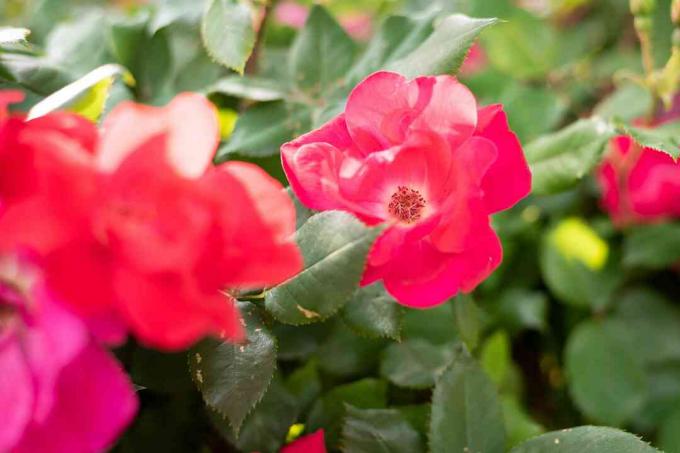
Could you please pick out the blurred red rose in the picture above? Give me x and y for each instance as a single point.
(639, 184)
(137, 228)
(422, 157)
(53, 372)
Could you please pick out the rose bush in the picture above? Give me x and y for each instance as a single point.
(477, 250)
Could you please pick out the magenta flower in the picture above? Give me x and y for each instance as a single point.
(420, 156)
(59, 391)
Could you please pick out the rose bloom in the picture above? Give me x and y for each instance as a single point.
(421, 157)
(311, 443)
(639, 184)
(137, 229)
(59, 390)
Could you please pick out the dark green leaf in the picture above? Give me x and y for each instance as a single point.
(302, 213)
(227, 31)
(605, 374)
(466, 411)
(378, 430)
(669, 435)
(329, 411)
(321, 54)
(519, 426)
(373, 312)
(585, 439)
(233, 377)
(521, 309)
(444, 51)
(651, 323)
(346, 354)
(305, 384)
(415, 363)
(653, 246)
(436, 325)
(334, 246)
(559, 160)
(265, 428)
(261, 130)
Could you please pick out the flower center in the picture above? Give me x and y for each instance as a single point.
(406, 204)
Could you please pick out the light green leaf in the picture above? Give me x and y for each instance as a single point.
(519, 426)
(86, 95)
(334, 246)
(606, 376)
(495, 357)
(373, 312)
(396, 38)
(466, 412)
(252, 88)
(586, 439)
(467, 320)
(628, 102)
(227, 31)
(444, 51)
(559, 160)
(415, 363)
(234, 377)
(261, 130)
(378, 431)
(653, 246)
(321, 54)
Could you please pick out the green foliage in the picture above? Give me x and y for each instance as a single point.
(374, 313)
(334, 245)
(228, 33)
(379, 430)
(586, 438)
(466, 411)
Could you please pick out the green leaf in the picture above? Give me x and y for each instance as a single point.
(261, 130)
(378, 431)
(653, 246)
(415, 363)
(233, 377)
(444, 51)
(559, 160)
(373, 312)
(663, 138)
(629, 102)
(525, 46)
(305, 384)
(346, 354)
(86, 96)
(520, 309)
(227, 32)
(466, 411)
(519, 426)
(651, 324)
(265, 428)
(328, 412)
(436, 325)
(669, 433)
(574, 275)
(606, 376)
(585, 439)
(255, 89)
(302, 212)
(396, 38)
(334, 246)
(467, 320)
(321, 54)
(495, 357)
(531, 110)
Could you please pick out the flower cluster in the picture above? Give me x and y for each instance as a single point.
(422, 157)
(128, 230)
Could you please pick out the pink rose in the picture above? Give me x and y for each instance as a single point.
(639, 184)
(59, 390)
(420, 156)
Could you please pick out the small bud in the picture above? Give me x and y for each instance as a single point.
(642, 7)
(675, 12)
(643, 24)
